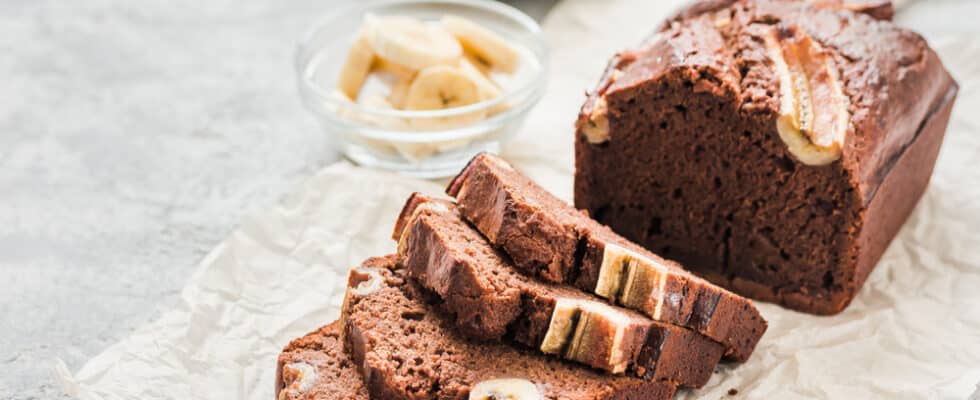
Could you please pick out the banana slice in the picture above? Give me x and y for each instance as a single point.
(442, 87)
(505, 389)
(488, 90)
(412, 43)
(399, 91)
(298, 377)
(483, 43)
(356, 67)
(813, 112)
(389, 67)
(480, 65)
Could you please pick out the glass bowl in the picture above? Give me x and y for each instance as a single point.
(415, 142)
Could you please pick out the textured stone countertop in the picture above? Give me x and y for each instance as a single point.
(134, 136)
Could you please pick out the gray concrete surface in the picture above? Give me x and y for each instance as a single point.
(134, 136)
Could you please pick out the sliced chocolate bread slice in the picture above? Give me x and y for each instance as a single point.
(315, 366)
(408, 350)
(490, 299)
(547, 237)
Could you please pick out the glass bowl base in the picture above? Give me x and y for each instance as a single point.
(441, 165)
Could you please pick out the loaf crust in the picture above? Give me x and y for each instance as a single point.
(694, 169)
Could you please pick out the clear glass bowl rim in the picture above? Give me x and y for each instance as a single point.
(326, 101)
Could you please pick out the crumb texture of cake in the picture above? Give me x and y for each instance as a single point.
(548, 238)
(315, 367)
(773, 147)
(489, 299)
(407, 350)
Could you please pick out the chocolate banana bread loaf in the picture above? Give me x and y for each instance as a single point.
(547, 237)
(774, 147)
(315, 366)
(488, 299)
(406, 350)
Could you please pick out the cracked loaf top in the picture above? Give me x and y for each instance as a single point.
(841, 80)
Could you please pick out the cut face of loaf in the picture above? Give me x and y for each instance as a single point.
(408, 350)
(489, 298)
(315, 366)
(773, 147)
(547, 237)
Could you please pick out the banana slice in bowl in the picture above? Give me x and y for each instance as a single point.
(483, 43)
(410, 42)
(356, 67)
(444, 88)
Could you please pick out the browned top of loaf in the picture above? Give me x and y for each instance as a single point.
(877, 9)
(414, 353)
(890, 75)
(322, 353)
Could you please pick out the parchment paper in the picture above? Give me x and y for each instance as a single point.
(913, 332)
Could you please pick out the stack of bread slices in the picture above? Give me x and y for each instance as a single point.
(510, 293)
